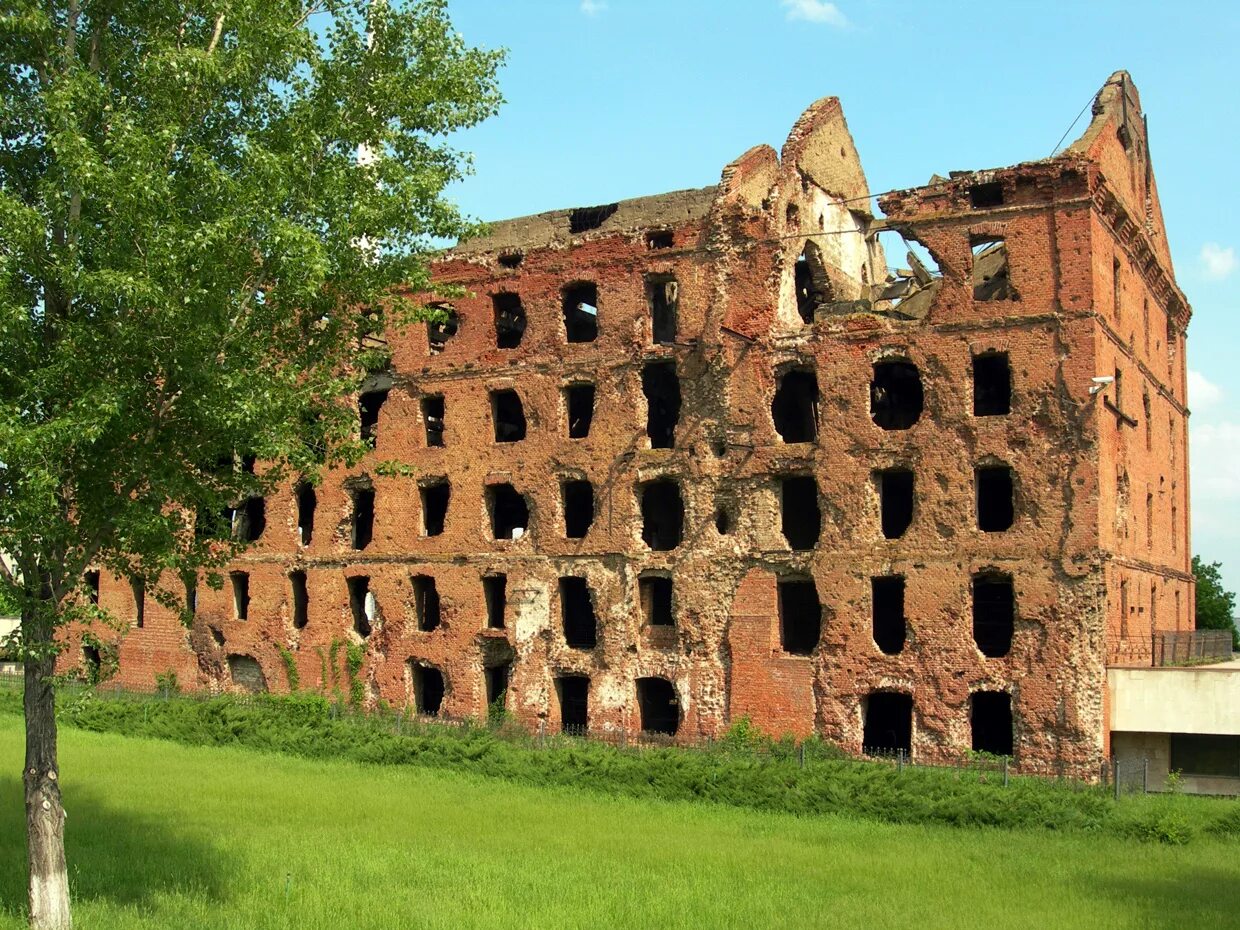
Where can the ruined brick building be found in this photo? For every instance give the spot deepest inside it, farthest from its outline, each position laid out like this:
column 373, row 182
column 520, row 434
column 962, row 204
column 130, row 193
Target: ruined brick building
column 701, row 456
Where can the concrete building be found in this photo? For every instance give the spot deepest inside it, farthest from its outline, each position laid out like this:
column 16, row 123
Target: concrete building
column 909, row 482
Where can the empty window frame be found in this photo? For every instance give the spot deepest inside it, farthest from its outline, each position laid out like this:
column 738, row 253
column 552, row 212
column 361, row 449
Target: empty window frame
column 579, row 404
column 662, row 390
column 301, row 599
column 361, row 604
column 497, row 678
column 190, row 581
column 495, row 593
column 577, row 613
column 658, row 706
column 369, row 405
column 896, row 395
column 888, row 725
column 577, row 499
column 92, row 664
column 794, row 408
column 810, row 282
column 655, row 593
column 581, row 312
column 583, row 219
column 435, row 496
column 887, row 604
column 994, row 613
column 663, row 514
column 508, row 415
column 988, row 194
column 990, row 721
column 800, row 616
column 425, row 602
column 362, row 520
column 573, row 692
column 663, row 295
column 137, row 587
column 511, row 259
column 91, row 580
column 439, row 331
column 432, row 418
column 991, row 275
column 250, row 519
column 1205, row 755
column 895, row 500
column 510, row 320
column 660, row 239
column 995, row 497
column 428, row 688
column 510, row 514
column 241, row 594
column 800, row 519
column 307, row 503
column 992, row 385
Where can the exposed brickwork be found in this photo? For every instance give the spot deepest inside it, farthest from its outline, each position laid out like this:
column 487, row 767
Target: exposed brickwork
column 1090, row 575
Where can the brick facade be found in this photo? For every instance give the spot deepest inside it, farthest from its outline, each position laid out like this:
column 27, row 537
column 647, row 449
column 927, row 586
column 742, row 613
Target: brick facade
column 791, row 349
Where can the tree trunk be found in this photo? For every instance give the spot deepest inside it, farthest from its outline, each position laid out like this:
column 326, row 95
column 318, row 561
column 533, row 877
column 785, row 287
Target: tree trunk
column 45, row 817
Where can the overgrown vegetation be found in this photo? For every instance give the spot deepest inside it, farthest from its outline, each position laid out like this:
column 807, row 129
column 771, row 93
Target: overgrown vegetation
column 1216, row 606
column 290, row 668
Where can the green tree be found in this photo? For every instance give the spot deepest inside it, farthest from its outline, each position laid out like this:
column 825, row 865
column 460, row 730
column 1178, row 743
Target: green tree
column 1216, row 606
column 197, row 198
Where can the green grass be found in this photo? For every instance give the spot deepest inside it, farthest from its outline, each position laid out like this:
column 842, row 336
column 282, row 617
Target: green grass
column 167, row 836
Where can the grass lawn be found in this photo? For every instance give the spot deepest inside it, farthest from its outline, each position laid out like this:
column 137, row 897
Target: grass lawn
column 167, row 836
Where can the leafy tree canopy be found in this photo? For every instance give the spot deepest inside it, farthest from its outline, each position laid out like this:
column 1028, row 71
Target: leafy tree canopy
column 1216, row 606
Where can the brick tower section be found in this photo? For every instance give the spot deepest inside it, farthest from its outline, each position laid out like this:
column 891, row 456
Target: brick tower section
column 705, row 456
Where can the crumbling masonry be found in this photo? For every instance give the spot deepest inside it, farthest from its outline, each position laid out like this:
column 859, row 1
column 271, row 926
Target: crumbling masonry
column 707, row 455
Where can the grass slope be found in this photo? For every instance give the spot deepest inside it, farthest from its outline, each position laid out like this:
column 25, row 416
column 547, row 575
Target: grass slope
column 168, row 836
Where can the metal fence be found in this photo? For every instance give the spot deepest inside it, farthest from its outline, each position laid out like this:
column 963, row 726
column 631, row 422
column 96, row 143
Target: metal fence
column 1167, row 648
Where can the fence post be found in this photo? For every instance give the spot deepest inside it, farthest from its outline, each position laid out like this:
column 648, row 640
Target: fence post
column 899, row 760
column 1115, row 776
column 542, row 732
column 801, row 753
column 1145, row 776
column 1005, row 773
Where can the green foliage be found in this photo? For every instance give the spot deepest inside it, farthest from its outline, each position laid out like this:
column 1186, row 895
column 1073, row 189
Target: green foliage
column 497, row 711
column 1216, row 606
column 290, row 668
column 354, row 655
column 323, row 675
column 166, row 683
column 109, row 659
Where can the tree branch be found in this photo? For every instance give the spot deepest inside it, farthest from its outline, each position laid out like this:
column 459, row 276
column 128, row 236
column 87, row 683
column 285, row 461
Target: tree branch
column 215, row 34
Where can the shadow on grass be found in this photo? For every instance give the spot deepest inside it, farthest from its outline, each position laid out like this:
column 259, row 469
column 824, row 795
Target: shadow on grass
column 1200, row 896
column 113, row 854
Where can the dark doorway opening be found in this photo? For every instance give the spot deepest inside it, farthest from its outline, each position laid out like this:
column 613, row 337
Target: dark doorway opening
column 887, row 593
column 362, row 525
column 510, row 321
column 662, row 390
column 508, row 415
column 307, row 504
column 990, row 716
column 432, row 419
column 992, row 385
column 426, row 602
column 241, row 595
column 663, row 293
column 895, row 500
column 361, row 604
column 251, row 519
column 660, row 710
column 579, row 399
column 888, row 723
column 578, row 501
column 369, row 405
column 92, row 663
column 994, row 613
column 495, row 593
column 799, row 516
column 510, row 514
column 795, row 407
column 896, row 396
column 435, row 498
column 581, row 312
column 995, row 498
column 800, row 616
column 574, row 694
column 497, row 678
column 301, row 599
column 428, row 689
column 655, row 593
column 663, row 514
column 577, row 613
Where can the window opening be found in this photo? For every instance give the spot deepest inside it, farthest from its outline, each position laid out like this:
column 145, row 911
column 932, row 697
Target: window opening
column 994, row 613
column 439, row 331
column 495, row 593
column 190, row 581
column 992, row 385
column 241, row 594
column 579, row 399
column 662, row 390
column 578, row 501
column 799, row 515
column 583, row 219
column 511, row 259
column 307, row 503
column 663, row 294
column 435, row 498
column 995, row 498
column 510, row 514
column 426, row 602
column 577, row 613
column 658, row 706
column 896, row 396
column 1206, row 755
column 497, row 680
column 1149, row 423
column 93, row 662
column 890, row 628
column 992, row 278
column 361, row 604
column 800, row 616
column 663, row 514
column 249, row 519
column 888, row 723
column 581, row 312
column 92, row 586
column 138, row 587
column 660, row 239
column 301, row 599
column 369, row 405
column 895, row 501
column 573, row 692
column 432, row 419
column 983, row 196
column 795, row 406
column 362, row 527
column 510, row 320
column 810, row 281
column 990, row 718
column 428, row 689
column 508, row 415
column 655, row 593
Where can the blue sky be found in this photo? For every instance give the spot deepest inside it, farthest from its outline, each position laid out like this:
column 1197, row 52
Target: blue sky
column 610, row 99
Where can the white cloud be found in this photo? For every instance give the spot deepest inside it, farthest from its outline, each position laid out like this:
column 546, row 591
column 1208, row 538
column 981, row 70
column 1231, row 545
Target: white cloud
column 1214, row 449
column 815, row 11
column 593, row 7
column 1217, row 262
column 1202, row 392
